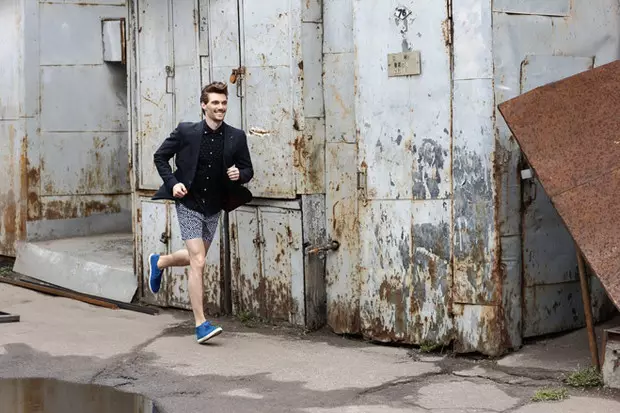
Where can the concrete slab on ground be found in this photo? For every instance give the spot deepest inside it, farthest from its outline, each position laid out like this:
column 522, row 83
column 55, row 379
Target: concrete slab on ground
column 100, row 265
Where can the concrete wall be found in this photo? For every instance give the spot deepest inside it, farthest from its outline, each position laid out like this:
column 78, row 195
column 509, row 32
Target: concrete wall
column 78, row 169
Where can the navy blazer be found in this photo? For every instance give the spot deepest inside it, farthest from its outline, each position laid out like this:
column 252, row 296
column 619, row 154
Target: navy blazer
column 184, row 142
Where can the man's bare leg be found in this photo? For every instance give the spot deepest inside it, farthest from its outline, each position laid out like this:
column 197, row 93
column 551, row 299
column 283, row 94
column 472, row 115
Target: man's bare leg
column 197, row 258
column 178, row 258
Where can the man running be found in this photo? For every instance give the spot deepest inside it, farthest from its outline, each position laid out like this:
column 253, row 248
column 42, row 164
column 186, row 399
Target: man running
column 213, row 161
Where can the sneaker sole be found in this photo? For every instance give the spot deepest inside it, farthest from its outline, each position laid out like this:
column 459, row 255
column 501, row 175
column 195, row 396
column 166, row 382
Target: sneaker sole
column 214, row 333
column 151, row 273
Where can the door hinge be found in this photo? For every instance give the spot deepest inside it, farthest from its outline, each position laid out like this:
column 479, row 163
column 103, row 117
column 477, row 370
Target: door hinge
column 169, row 79
column 362, row 183
column 449, row 26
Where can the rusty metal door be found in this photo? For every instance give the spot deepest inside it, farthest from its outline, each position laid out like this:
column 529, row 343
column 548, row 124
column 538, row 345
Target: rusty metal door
column 257, row 49
column 405, row 144
column 170, row 69
column 551, row 290
column 267, row 263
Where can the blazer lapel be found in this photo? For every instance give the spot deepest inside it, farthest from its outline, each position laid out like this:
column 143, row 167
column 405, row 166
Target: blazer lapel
column 195, row 143
column 228, row 145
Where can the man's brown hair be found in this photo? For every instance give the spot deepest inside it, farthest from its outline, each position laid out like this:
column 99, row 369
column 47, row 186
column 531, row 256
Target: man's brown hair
column 214, row 87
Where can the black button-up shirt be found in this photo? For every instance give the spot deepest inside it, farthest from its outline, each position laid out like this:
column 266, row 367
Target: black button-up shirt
column 206, row 191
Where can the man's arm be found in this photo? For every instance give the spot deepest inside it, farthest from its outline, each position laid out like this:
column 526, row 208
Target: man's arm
column 162, row 156
column 243, row 161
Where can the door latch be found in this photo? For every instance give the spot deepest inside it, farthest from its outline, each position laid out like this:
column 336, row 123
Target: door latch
column 236, row 78
column 163, row 238
column 332, row 245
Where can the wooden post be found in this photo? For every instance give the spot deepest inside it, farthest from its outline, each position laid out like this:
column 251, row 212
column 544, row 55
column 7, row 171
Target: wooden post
column 587, row 308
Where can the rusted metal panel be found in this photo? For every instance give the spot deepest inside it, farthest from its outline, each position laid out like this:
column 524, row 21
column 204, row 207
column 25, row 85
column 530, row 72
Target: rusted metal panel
column 245, row 258
column 338, row 24
column 101, row 167
column 71, row 34
column 473, row 40
column 155, row 104
column 271, row 53
column 405, row 130
column 78, row 206
column 280, row 292
column 567, row 131
column 406, row 280
column 314, row 234
column 312, row 11
column 476, row 329
column 11, row 28
column 187, row 84
column 475, row 281
column 309, row 157
column 312, row 69
column 343, row 269
column 154, row 228
column 12, row 202
column 536, row 7
column 224, row 43
column 339, row 92
column 81, row 110
column 268, row 278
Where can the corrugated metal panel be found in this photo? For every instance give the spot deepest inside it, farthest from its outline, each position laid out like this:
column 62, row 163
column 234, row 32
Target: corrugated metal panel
column 273, row 108
column 154, row 222
column 155, row 106
column 571, row 142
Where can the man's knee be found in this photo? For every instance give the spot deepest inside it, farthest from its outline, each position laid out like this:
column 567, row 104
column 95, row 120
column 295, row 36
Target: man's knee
column 197, row 261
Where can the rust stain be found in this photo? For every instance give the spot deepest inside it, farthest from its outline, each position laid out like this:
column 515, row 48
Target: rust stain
column 77, row 207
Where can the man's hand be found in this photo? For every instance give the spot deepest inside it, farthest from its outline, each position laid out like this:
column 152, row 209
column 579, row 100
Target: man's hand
column 233, row 173
column 179, row 190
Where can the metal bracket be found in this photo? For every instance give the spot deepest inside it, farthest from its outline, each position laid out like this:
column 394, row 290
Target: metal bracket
column 236, row 77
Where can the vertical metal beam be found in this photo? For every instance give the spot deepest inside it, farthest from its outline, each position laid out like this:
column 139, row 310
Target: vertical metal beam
column 587, row 307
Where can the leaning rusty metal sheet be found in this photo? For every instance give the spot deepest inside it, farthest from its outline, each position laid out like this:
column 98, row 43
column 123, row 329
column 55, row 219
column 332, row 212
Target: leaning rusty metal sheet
column 570, row 133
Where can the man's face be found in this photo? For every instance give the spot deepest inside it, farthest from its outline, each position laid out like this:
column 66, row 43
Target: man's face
column 216, row 108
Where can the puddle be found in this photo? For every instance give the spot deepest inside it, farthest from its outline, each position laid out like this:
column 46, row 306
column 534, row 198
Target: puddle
column 55, row 396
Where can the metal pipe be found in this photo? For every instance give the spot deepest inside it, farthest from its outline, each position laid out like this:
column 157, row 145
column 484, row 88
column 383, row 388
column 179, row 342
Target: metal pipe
column 587, row 308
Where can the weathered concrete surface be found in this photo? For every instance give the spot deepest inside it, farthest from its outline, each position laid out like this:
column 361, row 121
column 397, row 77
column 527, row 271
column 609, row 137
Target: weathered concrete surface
column 266, row 369
column 564, row 353
column 100, row 265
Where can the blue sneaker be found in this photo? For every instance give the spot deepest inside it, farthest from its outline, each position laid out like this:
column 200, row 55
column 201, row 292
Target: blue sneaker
column 206, row 331
column 154, row 274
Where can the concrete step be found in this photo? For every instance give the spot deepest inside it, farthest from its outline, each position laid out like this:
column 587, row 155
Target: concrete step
column 100, row 265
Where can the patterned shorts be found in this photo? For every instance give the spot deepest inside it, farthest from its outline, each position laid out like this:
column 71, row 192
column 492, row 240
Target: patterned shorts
column 195, row 225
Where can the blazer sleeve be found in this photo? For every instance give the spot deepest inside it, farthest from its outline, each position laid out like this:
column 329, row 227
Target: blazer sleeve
column 243, row 160
column 167, row 150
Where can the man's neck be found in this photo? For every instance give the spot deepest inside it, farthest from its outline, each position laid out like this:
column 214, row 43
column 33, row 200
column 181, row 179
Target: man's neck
column 214, row 125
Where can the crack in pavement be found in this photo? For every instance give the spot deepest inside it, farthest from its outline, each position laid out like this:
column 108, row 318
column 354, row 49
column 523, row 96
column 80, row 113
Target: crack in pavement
column 132, row 355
